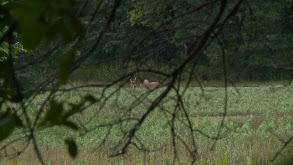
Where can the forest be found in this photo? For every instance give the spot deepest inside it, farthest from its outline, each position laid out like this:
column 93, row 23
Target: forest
column 146, row 82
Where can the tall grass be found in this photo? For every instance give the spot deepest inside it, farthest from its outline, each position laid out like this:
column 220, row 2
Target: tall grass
column 258, row 118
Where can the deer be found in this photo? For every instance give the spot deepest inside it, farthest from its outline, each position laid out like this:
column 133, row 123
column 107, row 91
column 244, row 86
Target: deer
column 148, row 84
column 133, row 83
column 14, row 107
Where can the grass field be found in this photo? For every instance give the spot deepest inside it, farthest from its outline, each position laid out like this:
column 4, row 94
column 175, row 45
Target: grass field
column 258, row 122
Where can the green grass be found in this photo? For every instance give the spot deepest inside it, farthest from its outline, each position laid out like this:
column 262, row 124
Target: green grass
column 256, row 118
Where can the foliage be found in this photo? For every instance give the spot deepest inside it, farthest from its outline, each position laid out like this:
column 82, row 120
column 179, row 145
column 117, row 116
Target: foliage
column 43, row 42
column 31, row 23
column 16, row 48
column 245, row 135
column 250, row 45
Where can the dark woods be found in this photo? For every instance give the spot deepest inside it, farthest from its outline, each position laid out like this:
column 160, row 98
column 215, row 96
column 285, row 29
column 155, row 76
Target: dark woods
column 51, row 48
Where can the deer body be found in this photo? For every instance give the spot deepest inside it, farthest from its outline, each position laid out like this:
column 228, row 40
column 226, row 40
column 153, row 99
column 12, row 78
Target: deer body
column 133, row 83
column 13, row 107
column 148, row 84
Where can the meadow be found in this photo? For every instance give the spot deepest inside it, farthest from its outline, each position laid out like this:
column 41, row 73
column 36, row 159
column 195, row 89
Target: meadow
column 258, row 121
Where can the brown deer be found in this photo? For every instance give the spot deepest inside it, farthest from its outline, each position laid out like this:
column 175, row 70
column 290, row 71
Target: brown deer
column 148, row 84
column 133, row 83
column 14, row 107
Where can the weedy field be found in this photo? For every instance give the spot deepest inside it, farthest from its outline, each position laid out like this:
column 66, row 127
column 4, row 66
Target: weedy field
column 259, row 121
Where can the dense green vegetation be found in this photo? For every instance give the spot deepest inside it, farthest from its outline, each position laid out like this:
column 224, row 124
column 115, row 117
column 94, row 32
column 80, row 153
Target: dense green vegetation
column 65, row 67
column 258, row 39
column 250, row 135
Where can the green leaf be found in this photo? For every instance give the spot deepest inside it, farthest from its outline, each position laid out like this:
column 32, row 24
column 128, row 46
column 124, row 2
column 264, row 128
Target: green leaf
column 66, row 66
column 5, row 18
column 71, row 125
column 74, row 109
column 28, row 17
column 39, row 21
column 225, row 161
column 18, row 121
column 90, row 98
column 7, row 125
column 62, row 28
column 72, row 147
column 53, row 115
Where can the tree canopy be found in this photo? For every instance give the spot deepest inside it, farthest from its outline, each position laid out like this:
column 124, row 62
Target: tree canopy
column 46, row 44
